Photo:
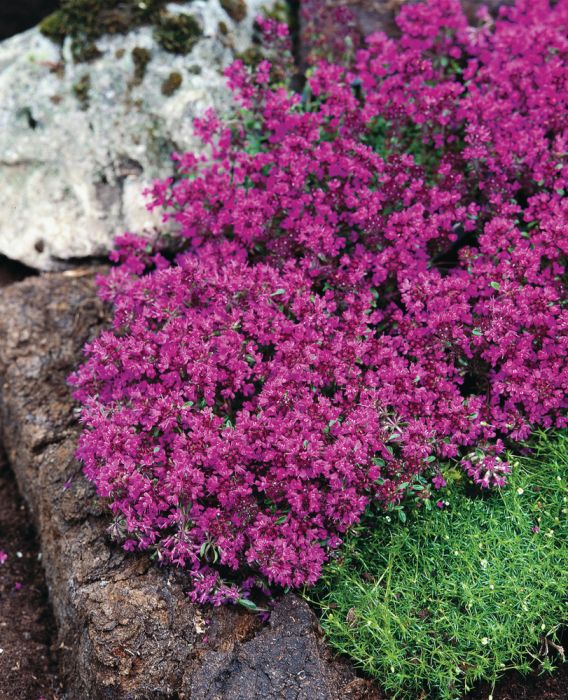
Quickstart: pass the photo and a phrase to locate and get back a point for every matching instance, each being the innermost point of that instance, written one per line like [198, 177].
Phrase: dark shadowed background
[18, 15]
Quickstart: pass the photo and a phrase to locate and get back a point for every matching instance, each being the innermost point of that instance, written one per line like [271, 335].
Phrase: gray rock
[79, 142]
[126, 628]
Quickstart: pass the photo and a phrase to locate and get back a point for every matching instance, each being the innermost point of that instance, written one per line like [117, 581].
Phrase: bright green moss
[456, 595]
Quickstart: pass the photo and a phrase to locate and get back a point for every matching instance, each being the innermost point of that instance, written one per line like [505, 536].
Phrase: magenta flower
[438, 481]
[358, 284]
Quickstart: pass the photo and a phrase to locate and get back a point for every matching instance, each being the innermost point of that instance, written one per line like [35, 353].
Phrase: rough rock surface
[126, 629]
[287, 661]
[79, 142]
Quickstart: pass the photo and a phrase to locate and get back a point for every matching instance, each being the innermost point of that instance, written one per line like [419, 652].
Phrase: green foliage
[459, 594]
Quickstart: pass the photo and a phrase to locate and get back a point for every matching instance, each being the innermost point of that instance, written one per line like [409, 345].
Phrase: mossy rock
[251, 57]
[84, 21]
[140, 57]
[177, 33]
[171, 84]
[81, 91]
[236, 9]
[92, 19]
[280, 12]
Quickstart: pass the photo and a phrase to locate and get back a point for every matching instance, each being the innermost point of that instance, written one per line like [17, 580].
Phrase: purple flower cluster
[368, 280]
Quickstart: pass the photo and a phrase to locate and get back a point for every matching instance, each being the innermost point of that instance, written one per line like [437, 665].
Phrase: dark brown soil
[27, 663]
[534, 687]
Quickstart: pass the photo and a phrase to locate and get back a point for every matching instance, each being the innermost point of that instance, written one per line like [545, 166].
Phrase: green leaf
[248, 604]
[496, 285]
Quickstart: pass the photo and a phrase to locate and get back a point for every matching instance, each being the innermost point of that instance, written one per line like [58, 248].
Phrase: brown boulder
[126, 628]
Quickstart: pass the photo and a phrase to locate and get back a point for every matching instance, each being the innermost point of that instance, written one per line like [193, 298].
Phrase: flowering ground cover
[357, 289]
[460, 595]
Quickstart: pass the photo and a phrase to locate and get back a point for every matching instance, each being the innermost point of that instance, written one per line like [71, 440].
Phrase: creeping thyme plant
[355, 286]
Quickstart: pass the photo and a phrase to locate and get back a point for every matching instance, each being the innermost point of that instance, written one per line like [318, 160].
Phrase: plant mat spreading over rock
[227, 346]
[370, 289]
[125, 626]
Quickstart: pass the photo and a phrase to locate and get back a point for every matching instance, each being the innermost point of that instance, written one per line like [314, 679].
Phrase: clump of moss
[236, 9]
[171, 84]
[87, 20]
[140, 57]
[53, 26]
[84, 51]
[280, 12]
[251, 57]
[94, 18]
[81, 91]
[177, 33]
